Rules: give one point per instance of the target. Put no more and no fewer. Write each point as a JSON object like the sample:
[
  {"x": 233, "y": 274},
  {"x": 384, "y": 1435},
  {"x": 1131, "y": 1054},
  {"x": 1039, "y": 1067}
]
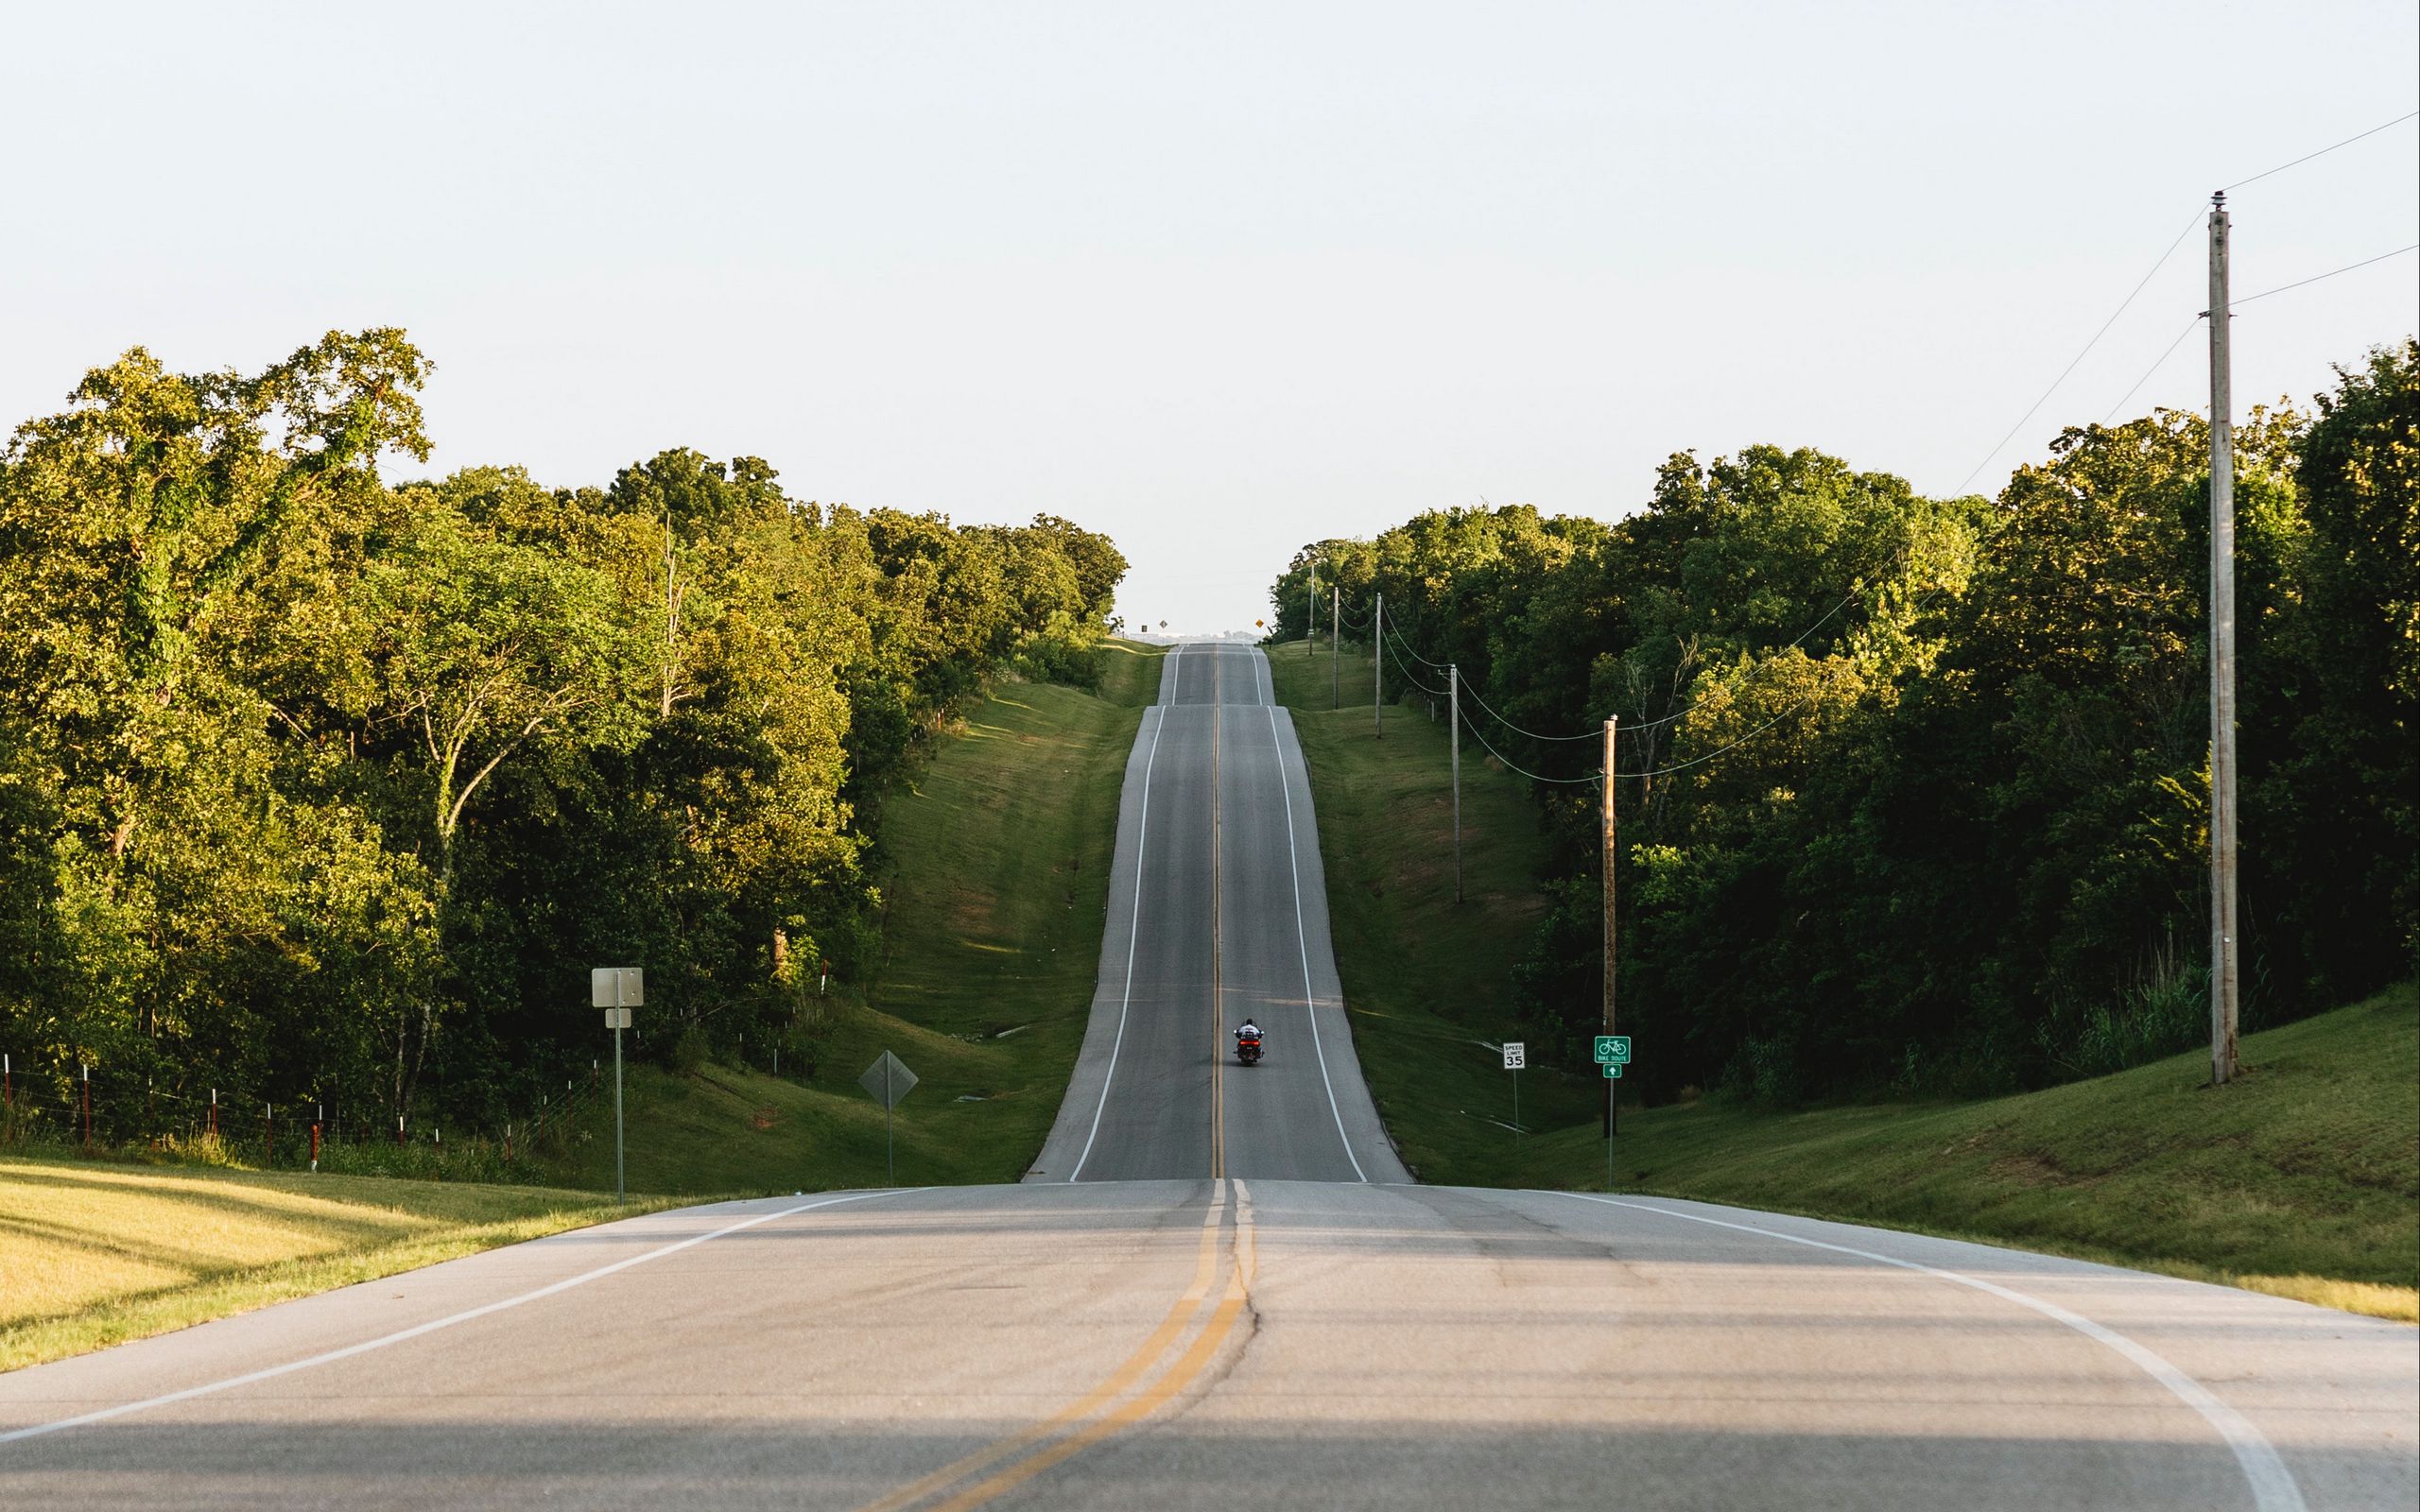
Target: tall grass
[{"x": 2165, "y": 1013}]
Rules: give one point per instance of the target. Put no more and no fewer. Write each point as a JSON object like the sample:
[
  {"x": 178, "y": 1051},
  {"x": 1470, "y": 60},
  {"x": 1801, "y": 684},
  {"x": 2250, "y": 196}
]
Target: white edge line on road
[
  {"x": 1301, "y": 942},
  {"x": 2273, "y": 1484},
  {"x": 1134, "y": 930},
  {"x": 331, "y": 1356}
]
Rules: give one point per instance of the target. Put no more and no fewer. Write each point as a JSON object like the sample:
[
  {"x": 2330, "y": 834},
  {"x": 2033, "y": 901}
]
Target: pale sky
[{"x": 1216, "y": 279}]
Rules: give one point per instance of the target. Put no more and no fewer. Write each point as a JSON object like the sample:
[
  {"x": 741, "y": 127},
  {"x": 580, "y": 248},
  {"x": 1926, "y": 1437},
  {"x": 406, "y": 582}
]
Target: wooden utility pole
[
  {"x": 1312, "y": 608},
  {"x": 1378, "y": 668},
  {"x": 1454, "y": 740},
  {"x": 1606, "y": 861},
  {"x": 2224, "y": 979},
  {"x": 1334, "y": 647}
]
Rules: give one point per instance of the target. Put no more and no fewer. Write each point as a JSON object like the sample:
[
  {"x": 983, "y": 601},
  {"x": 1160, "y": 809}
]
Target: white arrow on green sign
[{"x": 1613, "y": 1072}]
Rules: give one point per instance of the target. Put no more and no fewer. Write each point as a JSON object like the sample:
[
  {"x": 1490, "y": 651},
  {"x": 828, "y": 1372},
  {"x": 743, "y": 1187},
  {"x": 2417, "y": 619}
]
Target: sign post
[
  {"x": 1517, "y": 1055},
  {"x": 886, "y": 1081},
  {"x": 618, "y": 990},
  {"x": 1613, "y": 1054}
]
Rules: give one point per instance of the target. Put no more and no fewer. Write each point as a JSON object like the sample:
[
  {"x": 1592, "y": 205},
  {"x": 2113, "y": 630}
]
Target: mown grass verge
[
  {"x": 996, "y": 893},
  {"x": 2301, "y": 1179},
  {"x": 94, "y": 1253}
]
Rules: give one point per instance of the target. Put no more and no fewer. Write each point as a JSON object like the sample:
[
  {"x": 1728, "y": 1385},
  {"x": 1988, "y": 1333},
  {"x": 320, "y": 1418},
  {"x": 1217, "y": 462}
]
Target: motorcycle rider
[{"x": 1249, "y": 1031}]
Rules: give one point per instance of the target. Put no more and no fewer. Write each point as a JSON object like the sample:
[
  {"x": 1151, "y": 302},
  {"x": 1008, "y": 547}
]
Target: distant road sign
[
  {"x": 887, "y": 1080},
  {"x": 1613, "y": 1049},
  {"x": 1517, "y": 1055},
  {"x": 617, "y": 987},
  {"x": 1613, "y": 1071},
  {"x": 617, "y": 1018}
]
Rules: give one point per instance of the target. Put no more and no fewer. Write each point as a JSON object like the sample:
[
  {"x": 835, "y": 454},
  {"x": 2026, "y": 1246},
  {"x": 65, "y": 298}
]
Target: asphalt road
[
  {"x": 1218, "y": 912},
  {"x": 1223, "y": 1295},
  {"x": 1235, "y": 1344}
]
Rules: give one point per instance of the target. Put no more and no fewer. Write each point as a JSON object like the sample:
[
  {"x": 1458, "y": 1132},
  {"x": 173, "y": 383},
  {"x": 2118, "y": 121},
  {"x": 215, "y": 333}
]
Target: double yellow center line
[{"x": 1113, "y": 1406}]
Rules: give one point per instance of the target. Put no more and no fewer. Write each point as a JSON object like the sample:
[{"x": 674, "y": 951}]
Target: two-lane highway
[
  {"x": 1219, "y": 1290},
  {"x": 1218, "y": 913}
]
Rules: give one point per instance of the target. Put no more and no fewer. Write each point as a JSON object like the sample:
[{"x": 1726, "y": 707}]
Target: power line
[
  {"x": 1559, "y": 782},
  {"x": 2321, "y": 153},
  {"x": 2194, "y": 324},
  {"x": 2122, "y": 306},
  {"x": 1508, "y": 724},
  {"x": 1416, "y": 656},
  {"x": 1433, "y": 693},
  {"x": 1683, "y": 712},
  {"x": 1682, "y": 766},
  {"x": 2316, "y": 277},
  {"x": 2191, "y": 326}
]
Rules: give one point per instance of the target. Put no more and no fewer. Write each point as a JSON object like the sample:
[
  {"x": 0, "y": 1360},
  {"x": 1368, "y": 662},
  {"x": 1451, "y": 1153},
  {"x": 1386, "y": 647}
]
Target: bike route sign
[{"x": 1613, "y": 1049}]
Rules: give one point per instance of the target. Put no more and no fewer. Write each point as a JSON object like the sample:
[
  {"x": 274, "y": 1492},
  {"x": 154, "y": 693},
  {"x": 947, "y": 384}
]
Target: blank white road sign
[
  {"x": 1517, "y": 1055},
  {"x": 616, "y": 986}
]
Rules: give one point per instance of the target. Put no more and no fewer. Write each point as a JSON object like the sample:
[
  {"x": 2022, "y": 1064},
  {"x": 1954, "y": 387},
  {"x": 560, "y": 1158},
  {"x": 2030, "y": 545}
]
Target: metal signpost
[
  {"x": 1613, "y": 1054},
  {"x": 1517, "y": 1055},
  {"x": 886, "y": 1081},
  {"x": 618, "y": 990}
]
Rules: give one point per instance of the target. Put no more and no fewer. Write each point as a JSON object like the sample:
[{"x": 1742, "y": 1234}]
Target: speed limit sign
[{"x": 1517, "y": 1055}]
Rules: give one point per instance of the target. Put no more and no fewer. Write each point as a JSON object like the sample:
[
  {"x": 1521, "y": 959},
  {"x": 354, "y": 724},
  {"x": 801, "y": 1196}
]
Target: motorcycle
[{"x": 1248, "y": 1049}]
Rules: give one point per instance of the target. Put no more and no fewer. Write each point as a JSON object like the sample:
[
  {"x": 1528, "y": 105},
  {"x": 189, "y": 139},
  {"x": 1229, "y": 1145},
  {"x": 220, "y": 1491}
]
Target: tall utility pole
[
  {"x": 2223, "y": 835},
  {"x": 1311, "y": 603},
  {"x": 1378, "y": 668},
  {"x": 1454, "y": 739},
  {"x": 1334, "y": 648},
  {"x": 1605, "y": 842}
]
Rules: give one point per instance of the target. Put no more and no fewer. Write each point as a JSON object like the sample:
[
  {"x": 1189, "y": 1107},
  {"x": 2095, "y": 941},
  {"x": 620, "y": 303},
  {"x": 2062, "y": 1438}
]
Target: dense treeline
[
  {"x": 1920, "y": 791},
  {"x": 320, "y": 786}
]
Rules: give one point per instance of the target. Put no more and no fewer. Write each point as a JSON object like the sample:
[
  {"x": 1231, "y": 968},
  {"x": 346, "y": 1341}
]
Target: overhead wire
[
  {"x": 2122, "y": 306},
  {"x": 1677, "y": 714},
  {"x": 2322, "y": 152},
  {"x": 2190, "y": 327},
  {"x": 1433, "y": 693},
  {"x": 1508, "y": 724},
  {"x": 1559, "y": 781},
  {"x": 2320, "y": 277}
]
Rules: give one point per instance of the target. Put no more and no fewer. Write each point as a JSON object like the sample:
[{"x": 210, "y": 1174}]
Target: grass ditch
[
  {"x": 2301, "y": 1179},
  {"x": 94, "y": 1253}
]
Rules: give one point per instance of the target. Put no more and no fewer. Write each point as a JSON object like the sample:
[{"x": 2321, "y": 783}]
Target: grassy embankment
[
  {"x": 998, "y": 854},
  {"x": 94, "y": 1254},
  {"x": 2302, "y": 1178}
]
